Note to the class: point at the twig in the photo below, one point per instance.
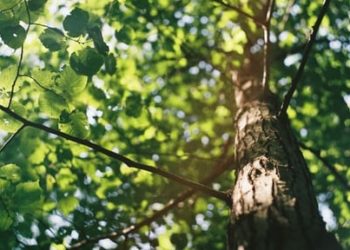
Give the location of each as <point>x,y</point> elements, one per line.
<point>20,57</point>
<point>11,138</point>
<point>330,167</point>
<point>218,170</point>
<point>58,32</point>
<point>130,163</point>
<point>241,12</point>
<point>36,81</point>
<point>10,8</point>
<point>266,28</point>
<point>304,59</point>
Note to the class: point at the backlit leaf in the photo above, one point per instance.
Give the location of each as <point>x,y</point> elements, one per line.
<point>68,204</point>
<point>52,104</point>
<point>27,196</point>
<point>76,124</point>
<point>70,82</point>
<point>10,172</point>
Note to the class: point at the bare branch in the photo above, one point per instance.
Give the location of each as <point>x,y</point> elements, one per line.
<point>304,59</point>
<point>330,167</point>
<point>219,169</point>
<point>20,57</point>
<point>266,28</point>
<point>241,12</point>
<point>130,163</point>
<point>9,140</point>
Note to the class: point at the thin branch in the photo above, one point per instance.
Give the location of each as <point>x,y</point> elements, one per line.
<point>10,8</point>
<point>9,140</point>
<point>35,81</point>
<point>58,32</point>
<point>130,163</point>
<point>330,167</point>
<point>266,28</point>
<point>20,57</point>
<point>304,59</point>
<point>241,12</point>
<point>218,170</point>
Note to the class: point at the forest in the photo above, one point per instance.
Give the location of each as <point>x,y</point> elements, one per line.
<point>175,124</point>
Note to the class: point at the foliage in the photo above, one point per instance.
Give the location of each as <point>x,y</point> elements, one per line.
<point>152,80</point>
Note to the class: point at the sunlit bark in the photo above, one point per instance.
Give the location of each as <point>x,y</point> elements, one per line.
<point>273,202</point>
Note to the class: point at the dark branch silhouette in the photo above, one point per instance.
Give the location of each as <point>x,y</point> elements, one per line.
<point>20,57</point>
<point>266,28</point>
<point>330,167</point>
<point>11,138</point>
<point>304,59</point>
<point>241,12</point>
<point>130,163</point>
<point>218,170</point>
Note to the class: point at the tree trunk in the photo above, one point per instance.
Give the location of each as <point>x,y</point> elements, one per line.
<point>273,203</point>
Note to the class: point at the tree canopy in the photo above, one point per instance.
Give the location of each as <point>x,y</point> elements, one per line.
<point>117,117</point>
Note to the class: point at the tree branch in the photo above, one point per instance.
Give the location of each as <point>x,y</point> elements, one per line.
<point>130,163</point>
<point>304,59</point>
<point>9,140</point>
<point>266,28</point>
<point>330,167</point>
<point>60,32</point>
<point>241,12</point>
<point>218,170</point>
<point>20,57</point>
<point>10,8</point>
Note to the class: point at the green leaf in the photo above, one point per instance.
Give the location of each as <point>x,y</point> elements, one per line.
<point>179,240</point>
<point>4,184</point>
<point>133,105</point>
<point>45,78</point>
<point>5,4</point>
<point>86,62</point>
<point>34,5</point>
<point>52,39</point>
<point>24,229</point>
<point>8,123</point>
<point>110,64</point>
<point>76,22</point>
<point>10,172</point>
<point>124,35</point>
<point>13,35</point>
<point>27,196</point>
<point>5,219</point>
<point>7,77</point>
<point>70,82</point>
<point>6,20</point>
<point>52,104</point>
<point>65,178</point>
<point>68,204</point>
<point>141,4</point>
<point>96,35</point>
<point>76,124</point>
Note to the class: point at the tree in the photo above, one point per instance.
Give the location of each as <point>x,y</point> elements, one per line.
<point>121,128</point>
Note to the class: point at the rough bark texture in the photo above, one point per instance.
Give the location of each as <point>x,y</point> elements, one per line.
<point>273,203</point>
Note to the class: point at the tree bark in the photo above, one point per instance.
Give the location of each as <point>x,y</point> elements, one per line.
<point>273,202</point>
